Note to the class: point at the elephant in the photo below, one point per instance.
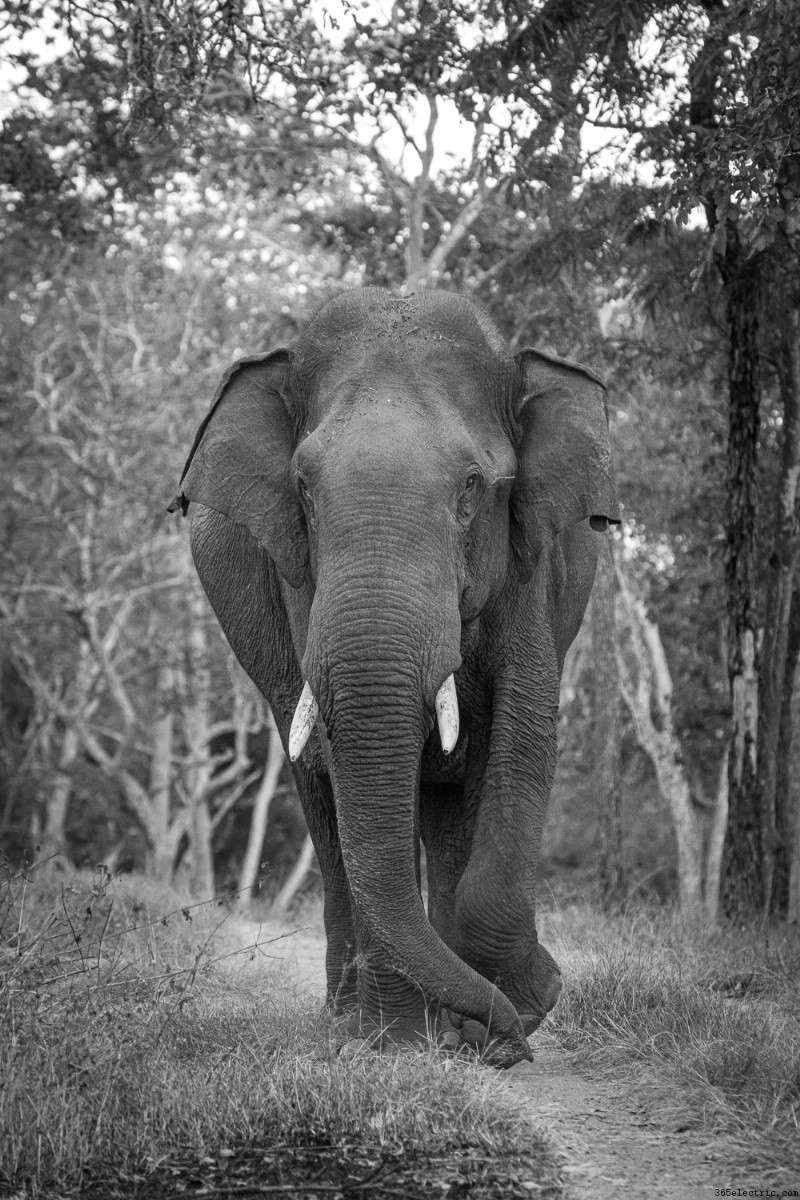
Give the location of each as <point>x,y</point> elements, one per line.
<point>397,523</point>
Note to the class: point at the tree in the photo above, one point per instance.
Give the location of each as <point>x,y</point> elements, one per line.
<point>127,679</point>
<point>746,170</point>
<point>646,687</point>
<point>604,635</point>
<point>251,863</point>
<point>728,79</point>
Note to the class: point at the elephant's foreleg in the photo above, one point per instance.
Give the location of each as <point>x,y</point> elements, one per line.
<point>495,907</point>
<point>447,829</point>
<point>390,1004</point>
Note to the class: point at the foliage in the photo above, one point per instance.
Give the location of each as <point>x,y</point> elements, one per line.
<point>741,157</point>
<point>124,351</point>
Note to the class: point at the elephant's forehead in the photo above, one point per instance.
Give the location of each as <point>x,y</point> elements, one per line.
<point>440,385</point>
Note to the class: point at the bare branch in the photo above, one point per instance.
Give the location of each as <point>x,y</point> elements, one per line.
<point>408,136</point>
<point>465,219</point>
<point>109,671</point>
<point>426,157</point>
<point>94,357</point>
<point>232,799</point>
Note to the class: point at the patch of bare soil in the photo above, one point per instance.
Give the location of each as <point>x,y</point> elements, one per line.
<point>606,1128</point>
<point>293,949</point>
<point>610,1141</point>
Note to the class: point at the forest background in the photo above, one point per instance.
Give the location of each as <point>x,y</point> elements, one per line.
<point>618,182</point>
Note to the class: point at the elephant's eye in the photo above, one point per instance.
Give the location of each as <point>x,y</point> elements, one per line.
<point>471,493</point>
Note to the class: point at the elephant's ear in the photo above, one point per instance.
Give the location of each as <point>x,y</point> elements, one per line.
<point>564,468</point>
<point>239,463</point>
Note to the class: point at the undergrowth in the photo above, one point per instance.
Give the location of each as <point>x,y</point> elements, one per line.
<point>717,1012</point>
<point>133,1055</point>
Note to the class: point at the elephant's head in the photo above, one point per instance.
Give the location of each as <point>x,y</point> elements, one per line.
<point>404,470</point>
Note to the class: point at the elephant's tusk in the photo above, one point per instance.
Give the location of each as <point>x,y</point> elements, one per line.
<point>447,714</point>
<point>302,722</point>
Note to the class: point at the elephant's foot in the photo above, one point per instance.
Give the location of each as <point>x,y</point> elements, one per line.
<point>450,1032</point>
<point>534,988</point>
<point>399,1016</point>
<point>393,1012</point>
<point>355,1048</point>
<point>391,1007</point>
<point>464,1034</point>
<point>364,1035</point>
<point>418,1029</point>
<point>361,1040</point>
<point>339,1005</point>
<point>532,985</point>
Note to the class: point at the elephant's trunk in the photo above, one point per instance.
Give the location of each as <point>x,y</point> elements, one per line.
<point>376,676</point>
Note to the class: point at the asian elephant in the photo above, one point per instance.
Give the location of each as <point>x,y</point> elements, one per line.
<point>396,522</point>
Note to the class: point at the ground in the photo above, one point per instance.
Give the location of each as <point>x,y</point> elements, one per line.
<point>607,1134</point>
<point>612,1134</point>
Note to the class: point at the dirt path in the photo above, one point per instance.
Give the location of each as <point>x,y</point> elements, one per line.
<point>611,1141</point>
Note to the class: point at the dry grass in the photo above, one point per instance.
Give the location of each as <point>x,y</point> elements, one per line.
<point>713,1017</point>
<point>133,1054</point>
<point>132,1057</point>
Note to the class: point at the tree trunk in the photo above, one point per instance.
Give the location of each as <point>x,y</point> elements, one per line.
<point>416,269</point>
<point>781,569</point>
<point>51,831</point>
<point>606,731</point>
<point>251,863</point>
<point>201,858</point>
<point>742,279</point>
<point>420,270</point>
<point>646,688</point>
<point>744,885</point>
<point>296,877</point>
<point>160,850</point>
<point>793,836</point>
<point>197,723</point>
<point>715,845</point>
<point>786,884</point>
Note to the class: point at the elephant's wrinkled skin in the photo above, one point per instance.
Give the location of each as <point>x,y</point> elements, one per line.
<point>397,499</point>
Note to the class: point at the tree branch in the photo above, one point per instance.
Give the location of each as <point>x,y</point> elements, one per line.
<point>465,219</point>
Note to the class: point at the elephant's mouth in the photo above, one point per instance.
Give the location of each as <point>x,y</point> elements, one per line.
<point>307,710</point>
